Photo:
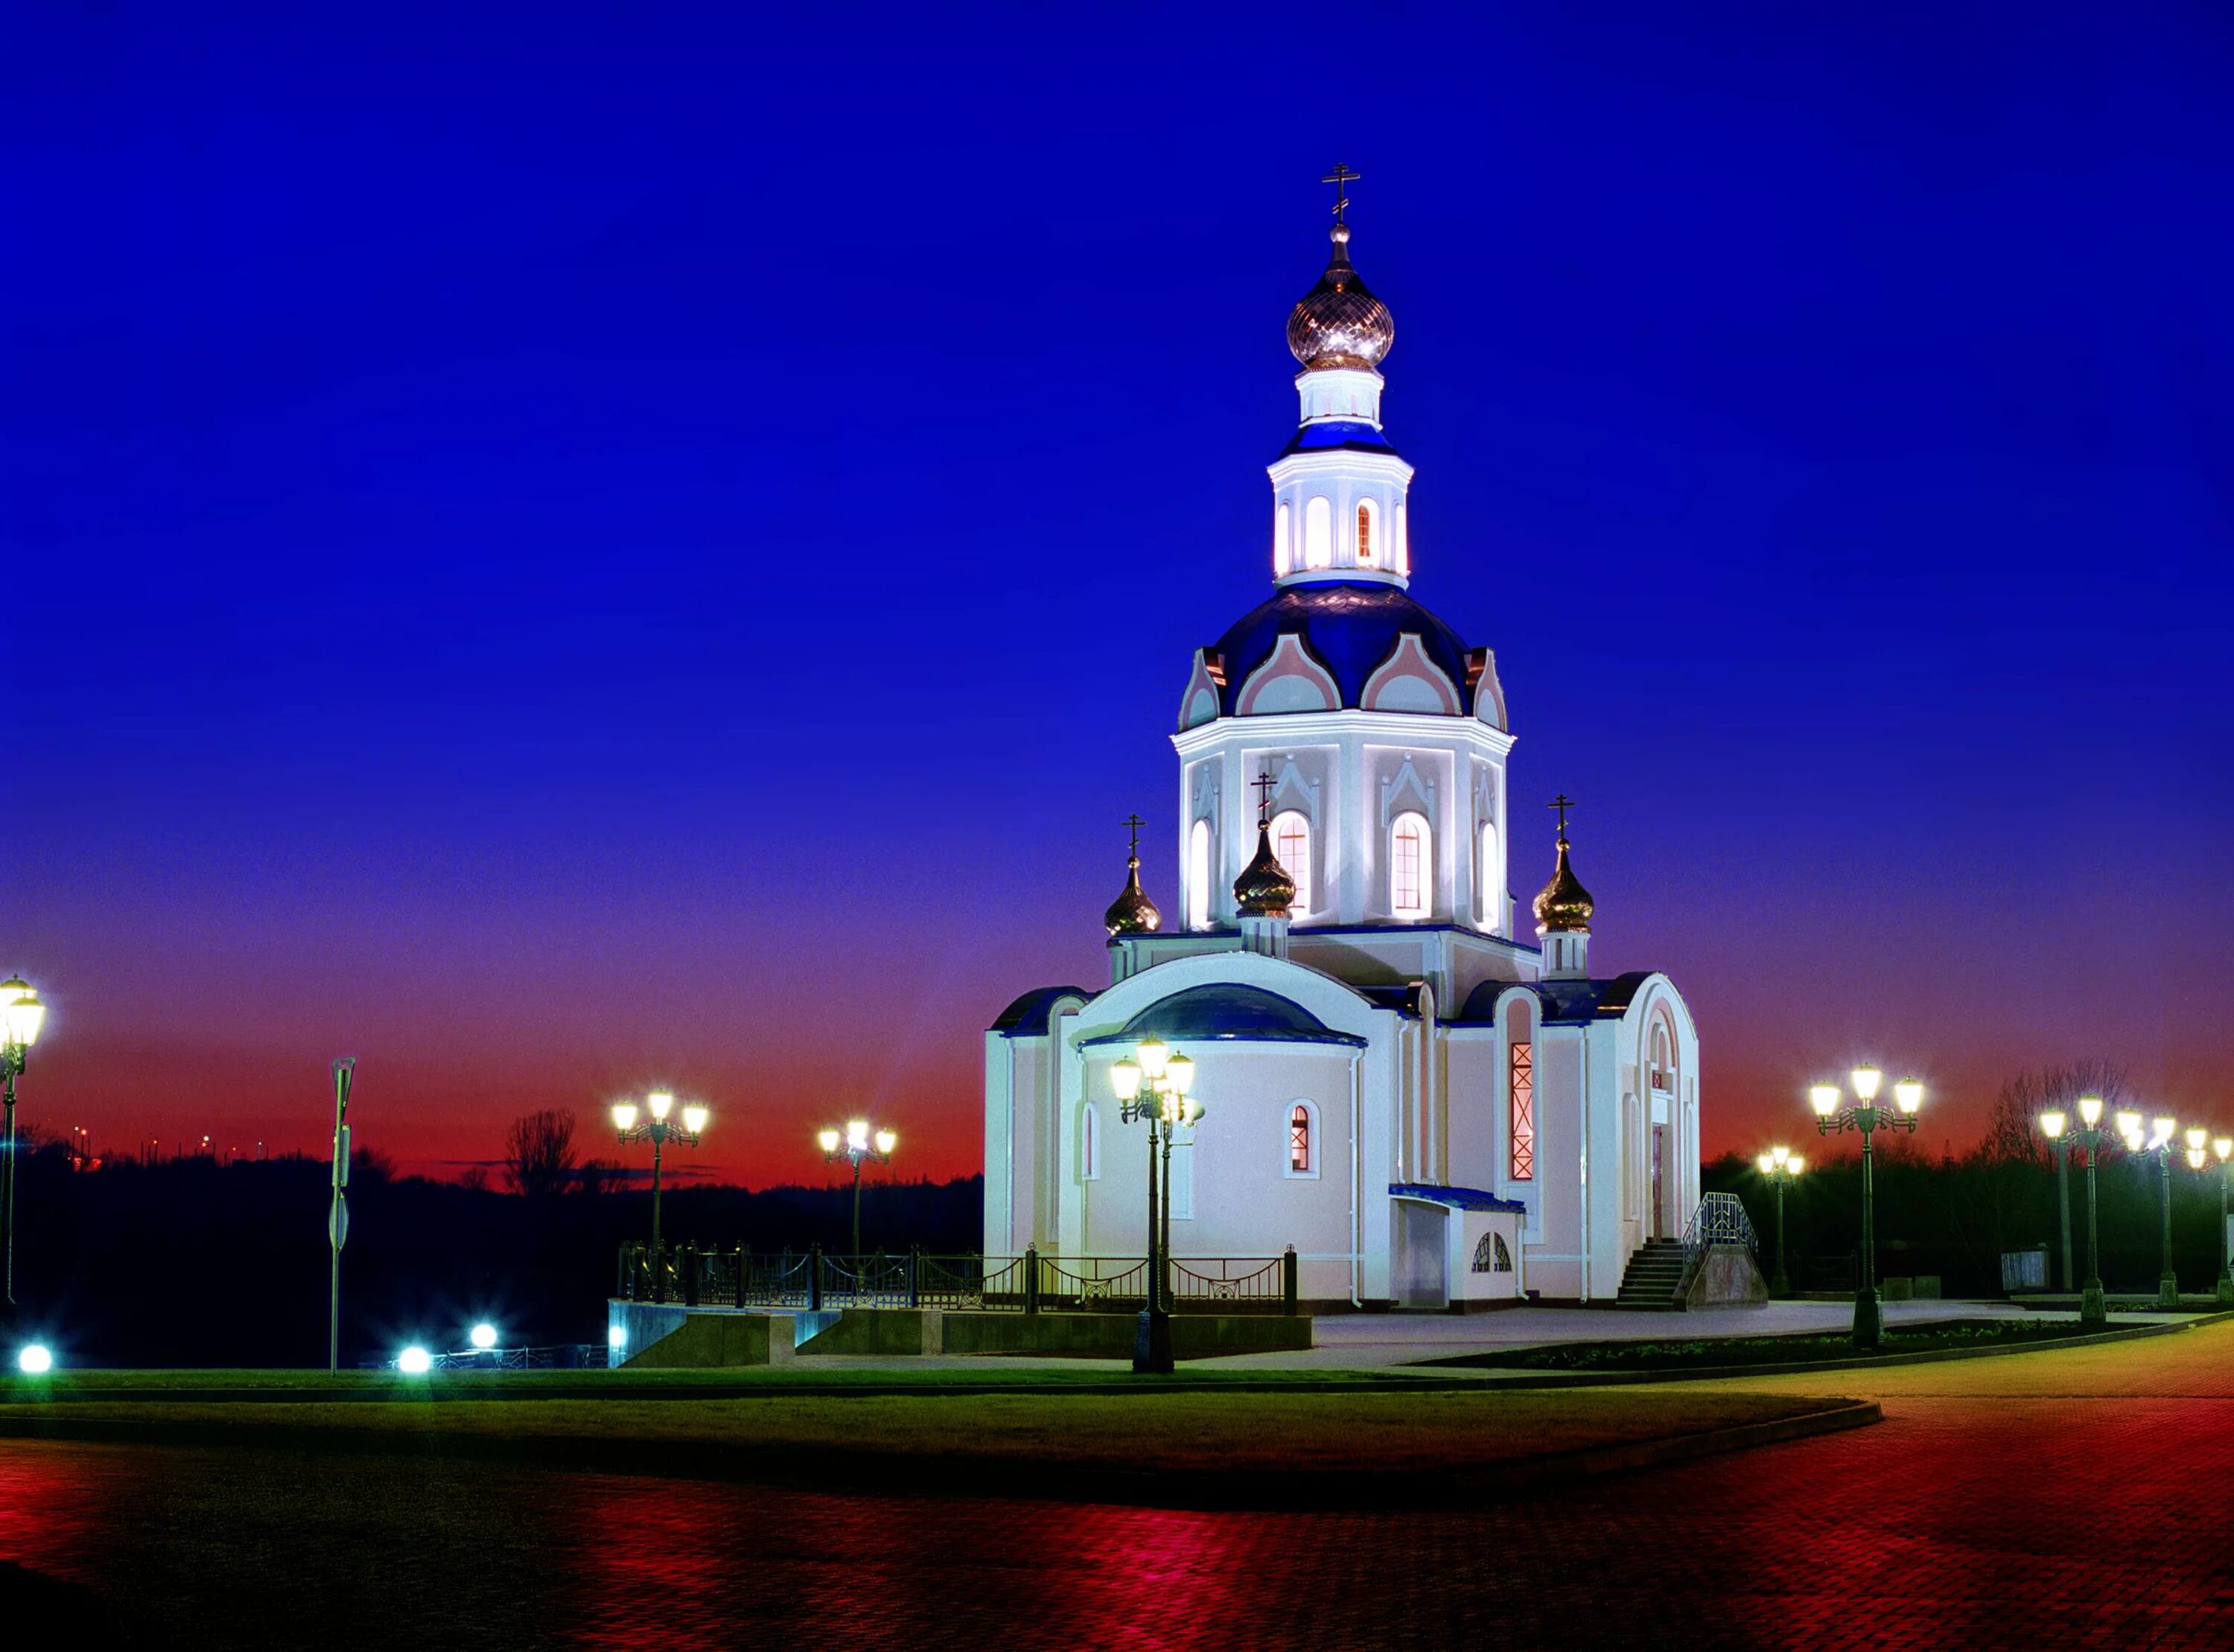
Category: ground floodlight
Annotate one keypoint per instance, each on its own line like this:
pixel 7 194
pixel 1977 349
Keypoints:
pixel 482 1337
pixel 415 1361
pixel 36 1360
pixel 615 1336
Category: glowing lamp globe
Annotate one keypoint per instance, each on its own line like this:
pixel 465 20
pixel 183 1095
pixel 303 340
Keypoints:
pixel 2160 1130
pixel 615 1336
pixel 1152 1055
pixel 35 1360
pixel 886 1141
pixel 2196 1134
pixel 1865 1081
pixel 1908 1095
pixel 21 1013
pixel 2195 1157
pixel 694 1119
pixel 2223 1147
pixel 857 1135
pixel 2090 1110
pixel 828 1141
pixel 660 1102
pixel 1766 1163
pixel 2129 1124
pixel 1794 1165
pixel 1824 1098
pixel 1125 1079
pixel 414 1361
pixel 625 1115
pixel 2052 1123
pixel 1178 1074
pixel 482 1337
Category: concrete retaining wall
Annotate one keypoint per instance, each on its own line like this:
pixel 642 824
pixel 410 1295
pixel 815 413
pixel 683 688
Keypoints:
pixel 669 1336
pixel 1727 1277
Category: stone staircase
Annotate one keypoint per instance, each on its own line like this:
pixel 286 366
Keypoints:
pixel 1650 1280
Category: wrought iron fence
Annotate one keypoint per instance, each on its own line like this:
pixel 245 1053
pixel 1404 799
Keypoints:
pixel 1720 1219
pixel 1031 1284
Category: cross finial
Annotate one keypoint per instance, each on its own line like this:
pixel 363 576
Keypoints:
pixel 1340 176
pixel 1562 803
pixel 1134 823
pixel 1264 784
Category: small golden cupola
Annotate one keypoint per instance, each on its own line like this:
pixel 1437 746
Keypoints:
pixel 1563 912
pixel 1263 889
pixel 1132 912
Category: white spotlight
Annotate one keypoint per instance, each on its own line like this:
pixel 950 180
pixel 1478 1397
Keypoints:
pixel 615 1336
pixel 414 1361
pixel 483 1336
pixel 36 1360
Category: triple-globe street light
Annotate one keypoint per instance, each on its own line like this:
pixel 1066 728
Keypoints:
pixel 859 1144
pixel 2088 1138
pixel 21 1016
pixel 1154 1085
pixel 2223 1148
pixel 1782 1167
pixel 1866 1115
pixel 657 1128
pixel 2157 1143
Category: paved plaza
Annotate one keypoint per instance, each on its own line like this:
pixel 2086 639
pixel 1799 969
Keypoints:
pixel 2063 1498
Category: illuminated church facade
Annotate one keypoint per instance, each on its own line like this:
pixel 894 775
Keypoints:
pixel 1428 1108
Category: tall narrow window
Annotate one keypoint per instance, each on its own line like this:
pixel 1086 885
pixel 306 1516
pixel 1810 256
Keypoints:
pixel 1291 842
pixel 1299 1141
pixel 1401 551
pixel 1410 866
pixel 1490 880
pixel 1664 1066
pixel 1365 547
pixel 1089 1144
pixel 1524 1112
pixel 1198 876
pixel 1284 549
pixel 1318 534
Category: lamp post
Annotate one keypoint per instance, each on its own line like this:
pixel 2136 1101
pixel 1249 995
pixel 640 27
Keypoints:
pixel 1783 1167
pixel 859 1144
pixel 1867 1117
pixel 2223 1147
pixel 1152 1086
pixel 2088 1139
pixel 2052 1124
pixel 2158 1143
pixel 21 1016
pixel 658 1129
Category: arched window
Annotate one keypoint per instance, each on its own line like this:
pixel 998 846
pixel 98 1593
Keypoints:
pixel 1490 880
pixel 1284 548
pixel 1401 551
pixel 1303 1139
pixel 1663 1059
pixel 1089 1144
pixel 1318 534
pixel 1291 842
pixel 1198 876
pixel 1411 865
pixel 1365 534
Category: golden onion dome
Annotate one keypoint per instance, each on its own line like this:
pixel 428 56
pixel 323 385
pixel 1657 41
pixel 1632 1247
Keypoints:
pixel 1564 904
pixel 1265 890
pixel 1132 912
pixel 1339 322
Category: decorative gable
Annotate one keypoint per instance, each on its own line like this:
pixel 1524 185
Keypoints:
pixel 1289 680
pixel 1408 681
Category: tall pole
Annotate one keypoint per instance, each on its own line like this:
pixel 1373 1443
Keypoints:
pixel 2168 1287
pixel 2093 1310
pixel 337 1213
pixel 2225 1241
pixel 1866 1319
pixel 1163 1249
pixel 8 1175
pixel 2063 1204
pixel 658 1140
pixel 857 1208
pixel 1783 1279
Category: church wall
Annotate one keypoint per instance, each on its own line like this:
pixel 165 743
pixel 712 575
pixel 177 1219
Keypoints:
pixel 1474 1103
pixel 1556 1266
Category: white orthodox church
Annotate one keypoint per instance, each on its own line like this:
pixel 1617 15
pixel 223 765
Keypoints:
pixel 1427 1108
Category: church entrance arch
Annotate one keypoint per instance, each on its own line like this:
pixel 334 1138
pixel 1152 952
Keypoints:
pixel 1421 1276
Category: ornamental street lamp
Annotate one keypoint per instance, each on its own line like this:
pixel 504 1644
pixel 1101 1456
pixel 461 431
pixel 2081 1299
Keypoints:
pixel 21 1016
pixel 659 1129
pixel 1868 1118
pixel 2158 1142
pixel 2223 1148
pixel 1783 1167
pixel 859 1144
pixel 1154 1085
pixel 2088 1138
pixel 2052 1125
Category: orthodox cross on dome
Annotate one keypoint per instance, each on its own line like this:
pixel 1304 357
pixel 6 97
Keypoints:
pixel 1133 823
pixel 1340 176
pixel 1562 803
pixel 1264 783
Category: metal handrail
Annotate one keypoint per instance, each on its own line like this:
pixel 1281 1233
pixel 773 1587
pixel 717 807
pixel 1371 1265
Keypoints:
pixel 1720 1219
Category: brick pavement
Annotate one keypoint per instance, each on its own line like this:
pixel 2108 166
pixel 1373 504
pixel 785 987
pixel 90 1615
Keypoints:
pixel 2064 1498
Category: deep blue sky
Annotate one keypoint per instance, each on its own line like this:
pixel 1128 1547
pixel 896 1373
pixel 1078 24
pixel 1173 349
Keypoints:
pixel 561 548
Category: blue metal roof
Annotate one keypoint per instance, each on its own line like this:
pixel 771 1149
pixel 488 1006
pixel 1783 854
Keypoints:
pixel 1349 628
pixel 1027 1016
pixel 1566 1003
pixel 1458 1198
pixel 1225 1013
pixel 1352 434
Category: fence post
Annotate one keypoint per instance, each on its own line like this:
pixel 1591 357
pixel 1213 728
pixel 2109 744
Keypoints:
pixel 915 1275
pixel 1031 1279
pixel 689 1257
pixel 738 1285
pixel 659 1273
pixel 1288 1283
pixel 814 1280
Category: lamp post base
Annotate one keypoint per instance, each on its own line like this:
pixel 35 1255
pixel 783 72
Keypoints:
pixel 1152 1344
pixel 1869 1323
pixel 2226 1292
pixel 2168 1292
pixel 2093 1309
pixel 1778 1285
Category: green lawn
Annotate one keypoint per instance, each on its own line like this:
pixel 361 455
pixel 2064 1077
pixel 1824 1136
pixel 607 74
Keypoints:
pixel 1717 1352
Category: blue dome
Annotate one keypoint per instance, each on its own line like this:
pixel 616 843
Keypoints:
pixel 1227 1012
pixel 1350 628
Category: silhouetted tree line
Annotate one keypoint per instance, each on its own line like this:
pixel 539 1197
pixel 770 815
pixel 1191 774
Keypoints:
pixel 1954 1215
pixel 189 1262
